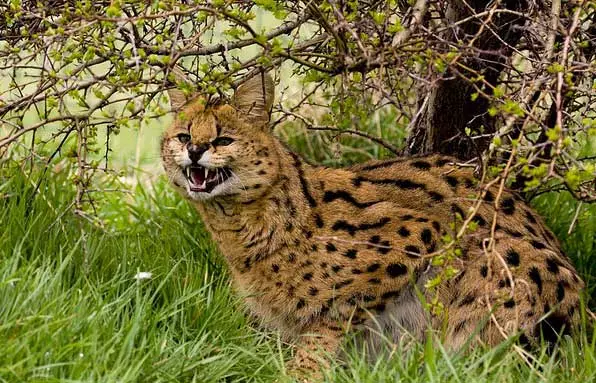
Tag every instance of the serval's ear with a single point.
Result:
(177, 97)
(254, 98)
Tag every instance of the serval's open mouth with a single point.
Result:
(204, 180)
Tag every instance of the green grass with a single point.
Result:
(71, 309)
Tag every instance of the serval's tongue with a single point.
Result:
(197, 175)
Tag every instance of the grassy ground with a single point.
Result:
(72, 310)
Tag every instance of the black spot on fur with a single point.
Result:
(512, 257)
(275, 268)
(319, 221)
(374, 281)
(307, 276)
(460, 326)
(301, 303)
(534, 275)
(313, 291)
(336, 268)
(467, 300)
(390, 294)
(509, 303)
(352, 300)
(511, 232)
(451, 180)
(508, 206)
(422, 165)
(292, 257)
(436, 226)
(374, 267)
(368, 297)
(412, 251)
(342, 284)
(384, 247)
(395, 270)
(469, 182)
(351, 253)
(479, 220)
(484, 271)
(330, 247)
(380, 307)
(331, 196)
(436, 196)
(530, 217)
(431, 248)
(489, 197)
(455, 209)
(356, 271)
(303, 183)
(530, 229)
(552, 265)
(561, 290)
(421, 219)
(426, 236)
(403, 231)
(538, 245)
(459, 276)
(406, 217)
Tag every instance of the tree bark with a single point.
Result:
(449, 109)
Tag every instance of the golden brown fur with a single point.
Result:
(322, 251)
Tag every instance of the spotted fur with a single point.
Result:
(323, 251)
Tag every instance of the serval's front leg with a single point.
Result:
(318, 341)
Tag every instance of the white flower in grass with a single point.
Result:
(143, 275)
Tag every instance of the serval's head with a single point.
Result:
(222, 150)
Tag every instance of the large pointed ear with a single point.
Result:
(254, 97)
(177, 97)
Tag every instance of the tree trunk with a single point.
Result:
(449, 109)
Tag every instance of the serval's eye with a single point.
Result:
(183, 137)
(222, 141)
